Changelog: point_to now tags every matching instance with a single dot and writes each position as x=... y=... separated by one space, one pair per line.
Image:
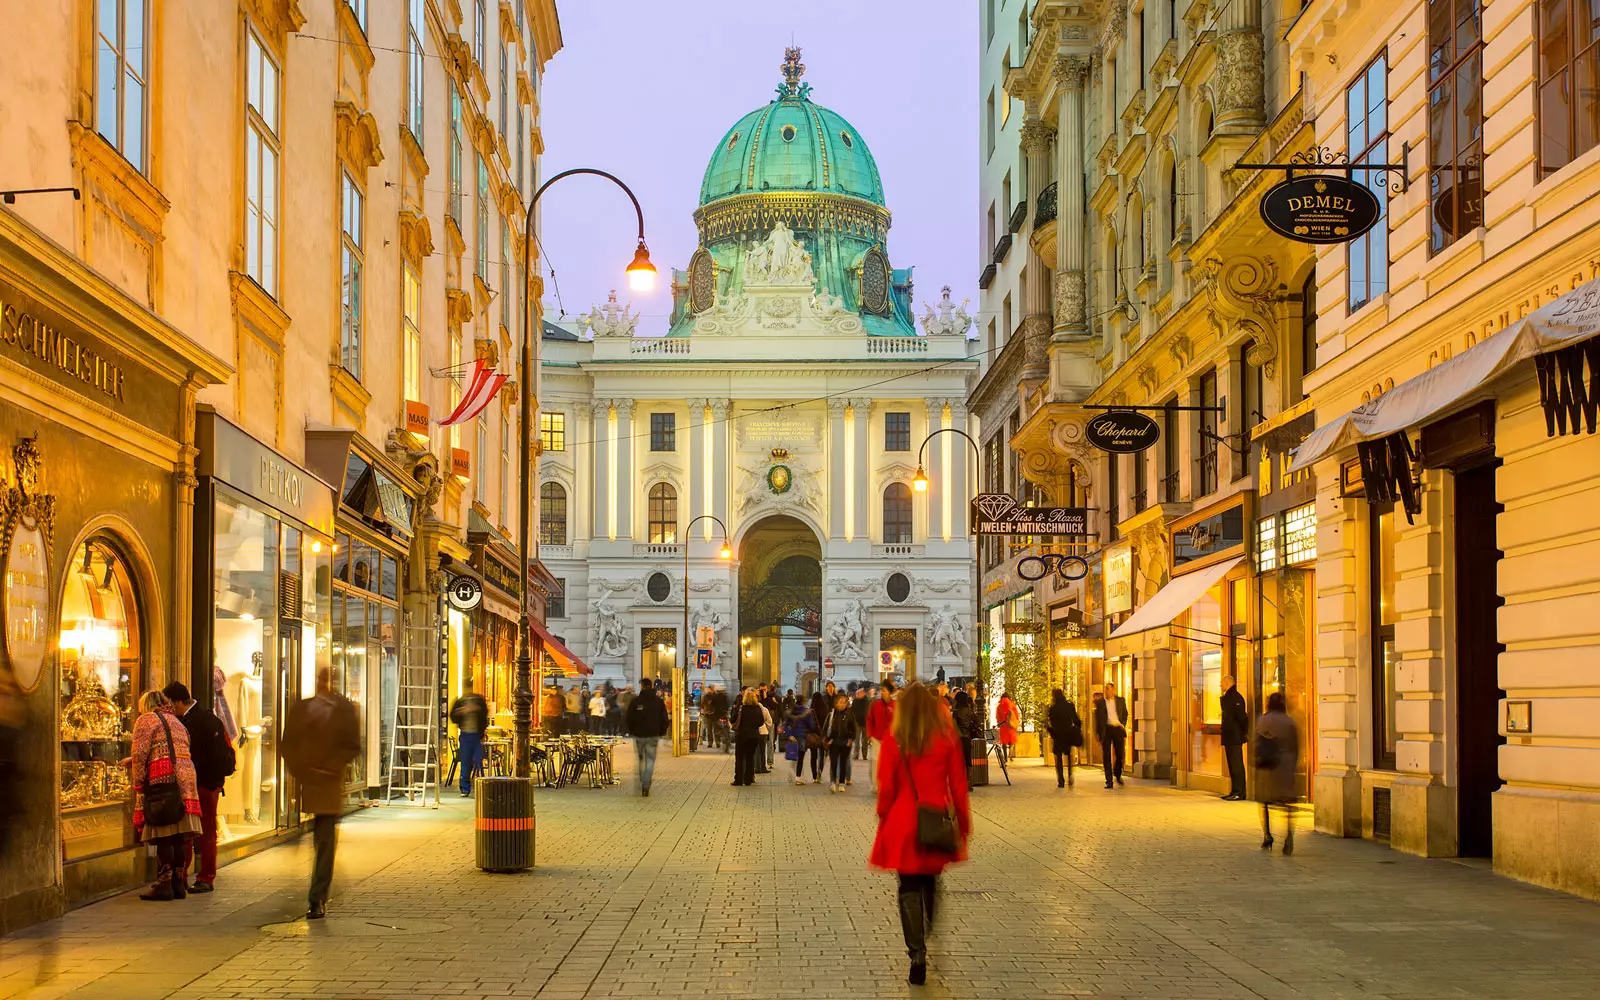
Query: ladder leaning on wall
x=414 y=748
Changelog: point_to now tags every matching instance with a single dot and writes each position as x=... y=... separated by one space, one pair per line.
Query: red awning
x=570 y=665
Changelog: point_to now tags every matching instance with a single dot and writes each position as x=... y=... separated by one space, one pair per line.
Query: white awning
x=1174 y=599
x=1569 y=319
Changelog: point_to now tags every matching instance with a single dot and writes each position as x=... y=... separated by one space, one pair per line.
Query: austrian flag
x=482 y=384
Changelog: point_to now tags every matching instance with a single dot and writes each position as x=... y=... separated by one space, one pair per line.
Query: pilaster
x=721 y=470
x=863 y=508
x=600 y=450
x=937 y=472
x=836 y=466
x=627 y=489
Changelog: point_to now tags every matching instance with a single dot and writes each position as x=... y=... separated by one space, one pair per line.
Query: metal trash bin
x=978 y=766
x=505 y=833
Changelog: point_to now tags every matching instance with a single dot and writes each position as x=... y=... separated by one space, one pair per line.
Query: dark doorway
x=1478 y=650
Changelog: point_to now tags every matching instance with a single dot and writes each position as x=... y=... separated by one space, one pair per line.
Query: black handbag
x=936 y=828
x=1267 y=753
x=163 y=803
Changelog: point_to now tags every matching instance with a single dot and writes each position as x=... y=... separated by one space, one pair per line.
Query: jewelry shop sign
x=1000 y=514
x=1320 y=208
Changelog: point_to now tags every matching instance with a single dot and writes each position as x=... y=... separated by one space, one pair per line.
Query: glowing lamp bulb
x=726 y=553
x=641 y=273
x=919 y=482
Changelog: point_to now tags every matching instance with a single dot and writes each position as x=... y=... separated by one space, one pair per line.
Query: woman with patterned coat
x=161 y=758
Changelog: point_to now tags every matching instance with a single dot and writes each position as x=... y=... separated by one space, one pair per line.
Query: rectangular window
x=480 y=32
x=556 y=606
x=1205 y=444
x=553 y=431
x=1367 y=125
x=359 y=9
x=120 y=75
x=505 y=72
x=663 y=432
x=1141 y=482
x=480 y=461
x=416 y=28
x=988 y=21
x=897 y=432
x=505 y=465
x=505 y=273
x=1252 y=390
x=1114 y=494
x=1380 y=582
x=456 y=179
x=455 y=387
x=1569 y=79
x=483 y=220
x=411 y=319
x=988 y=128
x=1169 y=454
x=261 y=153
x=522 y=153
x=1455 y=119
x=351 y=261
x=1136 y=47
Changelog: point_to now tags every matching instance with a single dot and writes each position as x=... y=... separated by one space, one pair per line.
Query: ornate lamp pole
x=680 y=683
x=919 y=482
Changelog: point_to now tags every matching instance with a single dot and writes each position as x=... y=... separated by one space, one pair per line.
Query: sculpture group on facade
x=848 y=630
x=609 y=320
x=781 y=260
x=948 y=640
x=610 y=635
x=951 y=320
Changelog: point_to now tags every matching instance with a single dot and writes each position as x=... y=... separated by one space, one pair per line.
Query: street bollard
x=978 y=766
x=505 y=833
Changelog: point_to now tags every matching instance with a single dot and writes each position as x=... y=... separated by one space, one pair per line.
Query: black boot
x=180 y=883
x=161 y=888
x=914 y=925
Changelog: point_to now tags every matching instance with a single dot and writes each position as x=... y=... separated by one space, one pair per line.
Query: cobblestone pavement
x=703 y=890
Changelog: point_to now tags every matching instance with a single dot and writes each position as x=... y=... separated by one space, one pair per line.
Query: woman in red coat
x=1007 y=721
x=921 y=764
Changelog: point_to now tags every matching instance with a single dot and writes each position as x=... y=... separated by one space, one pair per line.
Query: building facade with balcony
x=789 y=399
x=283 y=230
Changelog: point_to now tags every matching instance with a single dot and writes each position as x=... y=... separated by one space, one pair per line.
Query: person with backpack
x=166 y=799
x=802 y=736
x=1066 y=733
x=214 y=759
x=839 y=734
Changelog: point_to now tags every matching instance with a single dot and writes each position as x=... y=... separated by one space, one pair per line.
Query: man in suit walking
x=1235 y=732
x=321 y=736
x=1111 y=729
x=214 y=759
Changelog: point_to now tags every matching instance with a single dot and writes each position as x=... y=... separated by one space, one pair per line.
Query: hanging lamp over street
x=641 y=273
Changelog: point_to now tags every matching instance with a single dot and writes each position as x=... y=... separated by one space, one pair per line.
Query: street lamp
x=641 y=276
x=919 y=482
x=680 y=683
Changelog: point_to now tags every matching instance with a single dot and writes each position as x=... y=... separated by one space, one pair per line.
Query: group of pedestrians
x=579 y=709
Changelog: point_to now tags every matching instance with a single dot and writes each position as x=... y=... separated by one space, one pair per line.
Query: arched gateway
x=780 y=603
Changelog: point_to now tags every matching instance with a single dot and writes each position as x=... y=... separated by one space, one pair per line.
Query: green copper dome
x=792 y=145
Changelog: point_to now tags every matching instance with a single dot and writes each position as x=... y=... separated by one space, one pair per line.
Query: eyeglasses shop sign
x=1320 y=208
x=1122 y=432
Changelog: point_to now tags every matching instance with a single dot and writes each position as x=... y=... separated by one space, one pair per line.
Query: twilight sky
x=647 y=88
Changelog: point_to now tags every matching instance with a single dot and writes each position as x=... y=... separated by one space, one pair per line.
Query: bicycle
x=999 y=750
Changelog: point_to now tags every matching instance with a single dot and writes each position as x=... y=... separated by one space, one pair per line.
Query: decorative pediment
x=276 y=18
x=662 y=472
x=898 y=472
x=457 y=307
x=416 y=236
x=356 y=132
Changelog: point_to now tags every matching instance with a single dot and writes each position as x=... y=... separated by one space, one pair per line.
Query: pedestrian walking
x=597 y=712
x=550 y=709
x=860 y=704
x=470 y=713
x=923 y=816
x=613 y=711
x=1235 y=733
x=769 y=750
x=1111 y=729
x=166 y=793
x=1008 y=721
x=1277 y=763
x=879 y=718
x=647 y=721
x=822 y=702
x=212 y=754
x=969 y=727
x=751 y=723
x=321 y=736
x=570 y=703
x=839 y=733
x=803 y=736
x=1066 y=733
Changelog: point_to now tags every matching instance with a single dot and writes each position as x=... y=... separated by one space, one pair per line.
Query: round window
x=899 y=588
x=788 y=132
x=659 y=587
x=733 y=140
x=845 y=137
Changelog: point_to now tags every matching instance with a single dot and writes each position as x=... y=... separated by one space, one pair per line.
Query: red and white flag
x=482 y=385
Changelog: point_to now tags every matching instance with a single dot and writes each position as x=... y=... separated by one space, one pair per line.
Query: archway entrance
x=780 y=603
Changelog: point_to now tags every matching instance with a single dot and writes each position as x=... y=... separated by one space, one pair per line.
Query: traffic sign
x=702 y=659
x=827 y=664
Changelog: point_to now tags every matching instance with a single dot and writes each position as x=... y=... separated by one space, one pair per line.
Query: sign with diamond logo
x=1000 y=514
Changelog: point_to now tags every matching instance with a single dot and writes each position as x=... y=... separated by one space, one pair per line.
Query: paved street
x=705 y=890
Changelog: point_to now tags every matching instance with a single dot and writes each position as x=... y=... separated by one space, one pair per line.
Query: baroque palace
x=1362 y=496
x=782 y=414
x=274 y=241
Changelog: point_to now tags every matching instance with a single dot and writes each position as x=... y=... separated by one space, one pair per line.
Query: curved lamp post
x=641 y=277
x=919 y=482
x=680 y=683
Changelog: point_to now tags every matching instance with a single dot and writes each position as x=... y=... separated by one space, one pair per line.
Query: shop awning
x=559 y=654
x=1563 y=323
x=1174 y=599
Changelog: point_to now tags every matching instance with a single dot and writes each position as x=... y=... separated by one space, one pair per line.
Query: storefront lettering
x=35 y=338
x=1489 y=325
x=281 y=481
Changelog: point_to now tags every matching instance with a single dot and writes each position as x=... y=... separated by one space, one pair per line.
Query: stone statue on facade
x=848 y=630
x=610 y=320
x=610 y=635
x=950 y=321
x=706 y=617
x=781 y=260
x=948 y=639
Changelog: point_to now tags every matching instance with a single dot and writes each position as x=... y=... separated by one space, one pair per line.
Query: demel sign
x=1320 y=208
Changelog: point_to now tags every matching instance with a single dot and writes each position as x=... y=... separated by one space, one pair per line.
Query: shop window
x=102 y=669
x=365 y=652
x=552 y=514
x=897 y=514
x=663 y=432
x=897 y=432
x=1367 y=124
x=1455 y=119
x=1381 y=579
x=663 y=507
x=1300 y=535
x=1569 y=75
x=1203 y=643
x=553 y=431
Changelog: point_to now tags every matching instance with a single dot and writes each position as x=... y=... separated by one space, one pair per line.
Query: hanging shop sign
x=1320 y=208
x=1000 y=514
x=1066 y=567
x=465 y=593
x=1118 y=565
x=1122 y=432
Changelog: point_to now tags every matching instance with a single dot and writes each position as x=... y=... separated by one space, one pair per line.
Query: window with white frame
x=411 y=320
x=359 y=9
x=121 y=91
x=505 y=464
x=456 y=179
x=1367 y=123
x=505 y=72
x=261 y=166
x=480 y=31
x=351 y=262
x=480 y=466
x=483 y=219
x=505 y=272
x=416 y=27
x=455 y=386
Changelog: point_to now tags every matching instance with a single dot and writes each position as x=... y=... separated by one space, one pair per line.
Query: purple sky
x=646 y=89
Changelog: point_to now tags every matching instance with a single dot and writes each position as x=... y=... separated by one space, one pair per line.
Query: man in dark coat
x=470 y=713
x=646 y=721
x=321 y=736
x=858 y=708
x=214 y=760
x=1111 y=729
x=1235 y=733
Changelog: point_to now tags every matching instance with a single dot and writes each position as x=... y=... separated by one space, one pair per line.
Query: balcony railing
x=554 y=551
x=1002 y=248
x=659 y=345
x=897 y=345
x=986 y=276
x=1113 y=515
x=657 y=550
x=1019 y=215
x=897 y=549
x=1141 y=500
x=1169 y=488
x=1046 y=211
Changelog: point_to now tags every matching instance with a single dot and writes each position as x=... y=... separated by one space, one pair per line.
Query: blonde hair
x=152 y=700
x=750 y=697
x=919 y=716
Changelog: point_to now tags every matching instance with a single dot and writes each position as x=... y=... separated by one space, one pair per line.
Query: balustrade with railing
x=1169 y=488
x=1045 y=211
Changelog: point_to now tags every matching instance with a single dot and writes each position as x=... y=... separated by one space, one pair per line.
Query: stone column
x=961 y=457
x=1070 y=295
x=580 y=505
x=1036 y=140
x=1239 y=102
x=721 y=470
x=938 y=473
x=600 y=449
x=627 y=482
x=864 y=507
x=836 y=471
x=695 y=495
